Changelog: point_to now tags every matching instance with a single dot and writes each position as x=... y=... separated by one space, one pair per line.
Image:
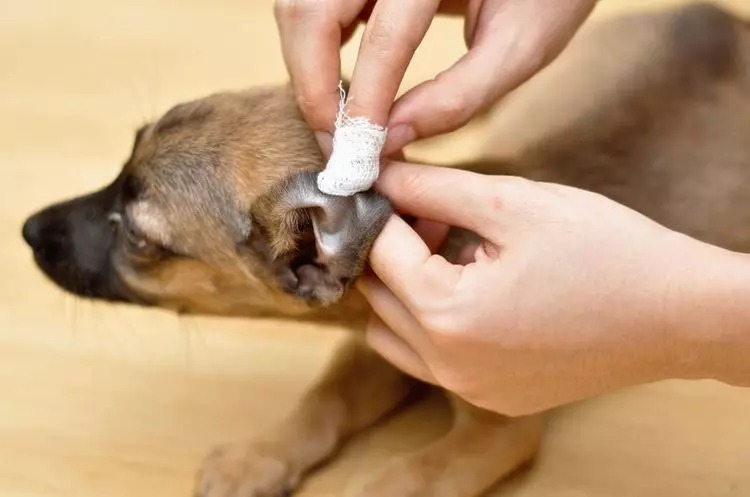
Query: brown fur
x=215 y=214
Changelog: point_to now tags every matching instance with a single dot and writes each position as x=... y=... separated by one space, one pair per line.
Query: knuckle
x=412 y=184
x=510 y=192
x=312 y=104
x=306 y=101
x=436 y=282
x=440 y=310
x=455 y=108
x=441 y=282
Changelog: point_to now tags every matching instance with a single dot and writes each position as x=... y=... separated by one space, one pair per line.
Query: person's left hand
x=508 y=42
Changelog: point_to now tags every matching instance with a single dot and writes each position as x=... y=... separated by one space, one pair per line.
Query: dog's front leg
x=480 y=450
x=357 y=390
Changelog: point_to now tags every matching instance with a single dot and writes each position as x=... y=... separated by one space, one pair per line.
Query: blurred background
x=103 y=400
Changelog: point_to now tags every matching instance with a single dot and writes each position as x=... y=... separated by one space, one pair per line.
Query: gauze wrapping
x=354 y=165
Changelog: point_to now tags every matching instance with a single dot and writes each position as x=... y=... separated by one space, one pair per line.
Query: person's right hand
x=508 y=40
x=570 y=295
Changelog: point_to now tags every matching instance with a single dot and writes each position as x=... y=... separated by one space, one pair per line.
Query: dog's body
x=216 y=212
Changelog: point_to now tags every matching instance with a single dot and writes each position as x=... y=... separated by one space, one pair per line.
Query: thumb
x=510 y=42
x=454 y=197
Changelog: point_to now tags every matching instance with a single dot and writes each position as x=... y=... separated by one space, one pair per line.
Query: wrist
x=708 y=314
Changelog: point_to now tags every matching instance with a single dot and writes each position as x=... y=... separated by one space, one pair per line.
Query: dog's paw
x=245 y=470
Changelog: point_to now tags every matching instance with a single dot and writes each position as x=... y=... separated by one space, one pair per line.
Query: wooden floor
x=116 y=401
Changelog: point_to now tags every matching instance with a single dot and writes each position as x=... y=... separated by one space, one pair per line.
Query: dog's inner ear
x=316 y=244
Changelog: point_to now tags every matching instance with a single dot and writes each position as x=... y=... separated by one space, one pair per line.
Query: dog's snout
x=71 y=242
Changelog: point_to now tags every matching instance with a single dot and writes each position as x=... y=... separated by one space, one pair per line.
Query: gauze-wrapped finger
x=354 y=165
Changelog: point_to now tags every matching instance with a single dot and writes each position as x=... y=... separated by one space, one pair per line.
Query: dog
x=216 y=212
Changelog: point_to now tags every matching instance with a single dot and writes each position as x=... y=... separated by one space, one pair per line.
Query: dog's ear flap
x=318 y=243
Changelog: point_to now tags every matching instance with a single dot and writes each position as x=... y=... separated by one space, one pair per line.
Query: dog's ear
x=317 y=244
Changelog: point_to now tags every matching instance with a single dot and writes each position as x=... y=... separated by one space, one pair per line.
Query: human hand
x=570 y=295
x=509 y=41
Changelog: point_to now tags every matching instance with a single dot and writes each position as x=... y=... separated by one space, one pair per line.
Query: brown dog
x=216 y=211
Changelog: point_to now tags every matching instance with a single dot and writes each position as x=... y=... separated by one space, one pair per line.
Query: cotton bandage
x=354 y=165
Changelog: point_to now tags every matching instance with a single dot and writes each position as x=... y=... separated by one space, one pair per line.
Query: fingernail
x=325 y=142
x=398 y=137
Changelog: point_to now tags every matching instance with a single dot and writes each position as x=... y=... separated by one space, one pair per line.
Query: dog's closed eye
x=137 y=243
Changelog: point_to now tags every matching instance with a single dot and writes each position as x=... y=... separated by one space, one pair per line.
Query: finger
x=518 y=40
x=325 y=142
x=310 y=33
x=405 y=264
x=446 y=7
x=450 y=196
x=380 y=338
x=394 y=314
x=453 y=98
x=393 y=33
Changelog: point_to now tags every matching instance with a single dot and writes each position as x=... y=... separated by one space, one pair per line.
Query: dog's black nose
x=32 y=231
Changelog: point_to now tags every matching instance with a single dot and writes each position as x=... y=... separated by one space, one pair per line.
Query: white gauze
x=354 y=165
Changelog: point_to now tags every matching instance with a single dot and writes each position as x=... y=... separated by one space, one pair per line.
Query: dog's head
x=216 y=211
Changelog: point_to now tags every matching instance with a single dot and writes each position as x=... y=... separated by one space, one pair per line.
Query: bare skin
x=570 y=295
x=508 y=41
